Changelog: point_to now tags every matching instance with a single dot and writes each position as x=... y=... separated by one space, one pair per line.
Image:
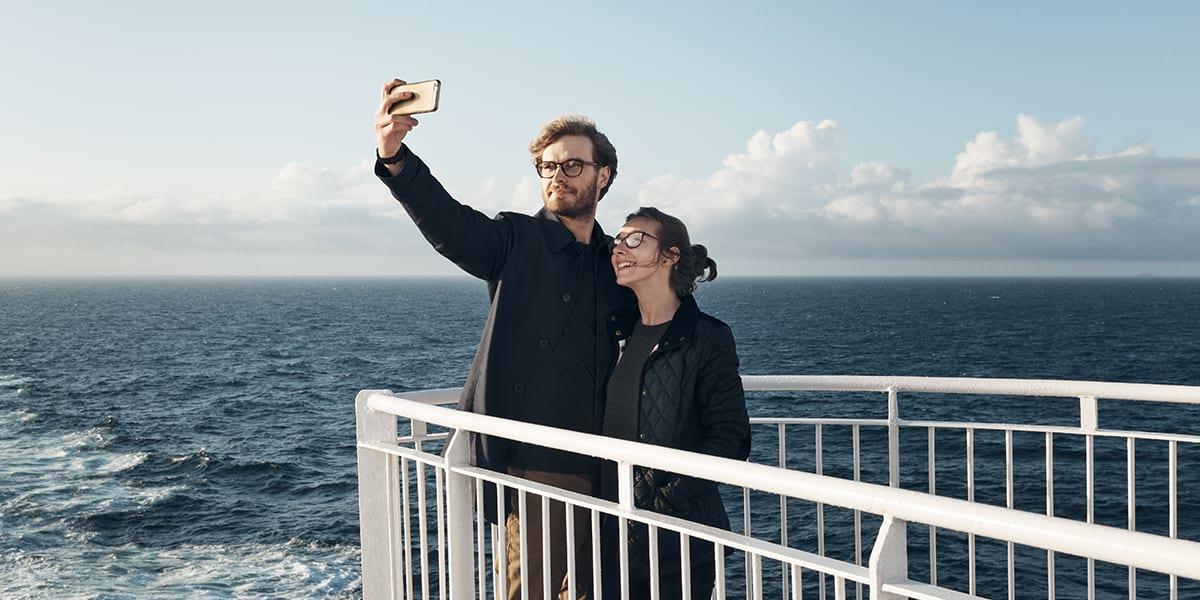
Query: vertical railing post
x=783 y=512
x=1089 y=422
x=1088 y=418
x=889 y=557
x=420 y=432
x=378 y=529
x=625 y=499
x=893 y=424
x=460 y=502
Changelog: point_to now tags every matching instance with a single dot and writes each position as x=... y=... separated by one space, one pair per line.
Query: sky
x=857 y=139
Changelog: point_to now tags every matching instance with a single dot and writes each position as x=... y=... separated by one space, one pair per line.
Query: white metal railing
x=1088 y=395
x=451 y=543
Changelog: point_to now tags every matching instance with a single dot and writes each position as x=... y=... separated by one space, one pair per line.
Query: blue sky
x=234 y=138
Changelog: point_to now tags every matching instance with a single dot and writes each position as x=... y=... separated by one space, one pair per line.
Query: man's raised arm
x=475 y=242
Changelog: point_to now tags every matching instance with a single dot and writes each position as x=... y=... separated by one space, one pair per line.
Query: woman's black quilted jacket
x=692 y=399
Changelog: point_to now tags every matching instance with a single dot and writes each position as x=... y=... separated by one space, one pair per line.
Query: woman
x=675 y=384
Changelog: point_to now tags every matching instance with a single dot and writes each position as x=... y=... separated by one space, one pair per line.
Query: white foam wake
x=288 y=570
x=14 y=381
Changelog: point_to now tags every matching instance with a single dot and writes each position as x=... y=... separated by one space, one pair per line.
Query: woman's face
x=645 y=264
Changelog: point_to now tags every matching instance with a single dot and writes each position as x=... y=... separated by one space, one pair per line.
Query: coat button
x=566 y=297
x=643 y=392
x=641 y=436
x=543 y=343
x=618 y=332
x=613 y=318
x=519 y=388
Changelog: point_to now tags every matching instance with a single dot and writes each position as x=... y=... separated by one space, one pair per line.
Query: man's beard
x=579 y=205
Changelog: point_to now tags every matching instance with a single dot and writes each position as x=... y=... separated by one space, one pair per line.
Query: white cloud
x=1044 y=194
x=302 y=211
x=1047 y=193
x=305 y=220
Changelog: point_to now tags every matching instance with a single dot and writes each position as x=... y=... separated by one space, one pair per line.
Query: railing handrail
x=1058 y=388
x=1154 y=553
x=1062 y=388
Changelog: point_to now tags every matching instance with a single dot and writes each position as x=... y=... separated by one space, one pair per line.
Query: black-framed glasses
x=571 y=167
x=632 y=240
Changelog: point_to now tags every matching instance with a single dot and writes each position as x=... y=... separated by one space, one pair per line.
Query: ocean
x=177 y=437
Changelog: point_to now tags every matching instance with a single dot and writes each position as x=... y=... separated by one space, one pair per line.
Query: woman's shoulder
x=713 y=329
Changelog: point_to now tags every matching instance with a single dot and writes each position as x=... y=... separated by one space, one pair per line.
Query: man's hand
x=391 y=129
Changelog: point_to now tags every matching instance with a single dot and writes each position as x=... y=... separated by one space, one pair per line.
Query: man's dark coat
x=532 y=277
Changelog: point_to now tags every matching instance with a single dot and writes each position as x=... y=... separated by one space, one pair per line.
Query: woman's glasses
x=632 y=240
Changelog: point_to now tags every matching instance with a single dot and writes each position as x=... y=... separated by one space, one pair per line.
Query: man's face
x=573 y=197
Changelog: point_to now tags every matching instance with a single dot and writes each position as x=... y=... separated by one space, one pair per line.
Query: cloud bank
x=1045 y=194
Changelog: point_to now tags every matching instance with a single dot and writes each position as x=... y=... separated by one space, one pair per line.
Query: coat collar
x=679 y=332
x=558 y=237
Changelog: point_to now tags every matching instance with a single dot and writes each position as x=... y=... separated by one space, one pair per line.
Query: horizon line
x=464 y=277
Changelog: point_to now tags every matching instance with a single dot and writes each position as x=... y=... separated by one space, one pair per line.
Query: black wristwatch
x=391 y=160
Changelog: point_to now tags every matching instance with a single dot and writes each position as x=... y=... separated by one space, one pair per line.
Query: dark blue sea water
x=196 y=437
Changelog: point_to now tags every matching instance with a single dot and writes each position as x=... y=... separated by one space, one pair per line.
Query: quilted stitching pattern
x=692 y=399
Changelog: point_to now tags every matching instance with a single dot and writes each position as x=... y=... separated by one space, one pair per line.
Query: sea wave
x=155 y=496
x=225 y=465
x=16 y=418
x=83 y=500
x=192 y=461
x=65 y=477
x=120 y=463
x=91 y=439
x=14 y=381
x=291 y=569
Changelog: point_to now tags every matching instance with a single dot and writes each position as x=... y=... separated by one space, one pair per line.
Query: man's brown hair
x=603 y=150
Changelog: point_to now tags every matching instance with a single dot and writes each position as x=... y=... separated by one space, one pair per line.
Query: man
x=544 y=351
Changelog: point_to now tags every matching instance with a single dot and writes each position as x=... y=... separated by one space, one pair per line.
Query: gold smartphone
x=425 y=95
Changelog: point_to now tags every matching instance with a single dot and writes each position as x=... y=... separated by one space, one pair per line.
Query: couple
x=588 y=333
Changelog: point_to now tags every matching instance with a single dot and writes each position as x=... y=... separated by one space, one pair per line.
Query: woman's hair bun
x=703 y=263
